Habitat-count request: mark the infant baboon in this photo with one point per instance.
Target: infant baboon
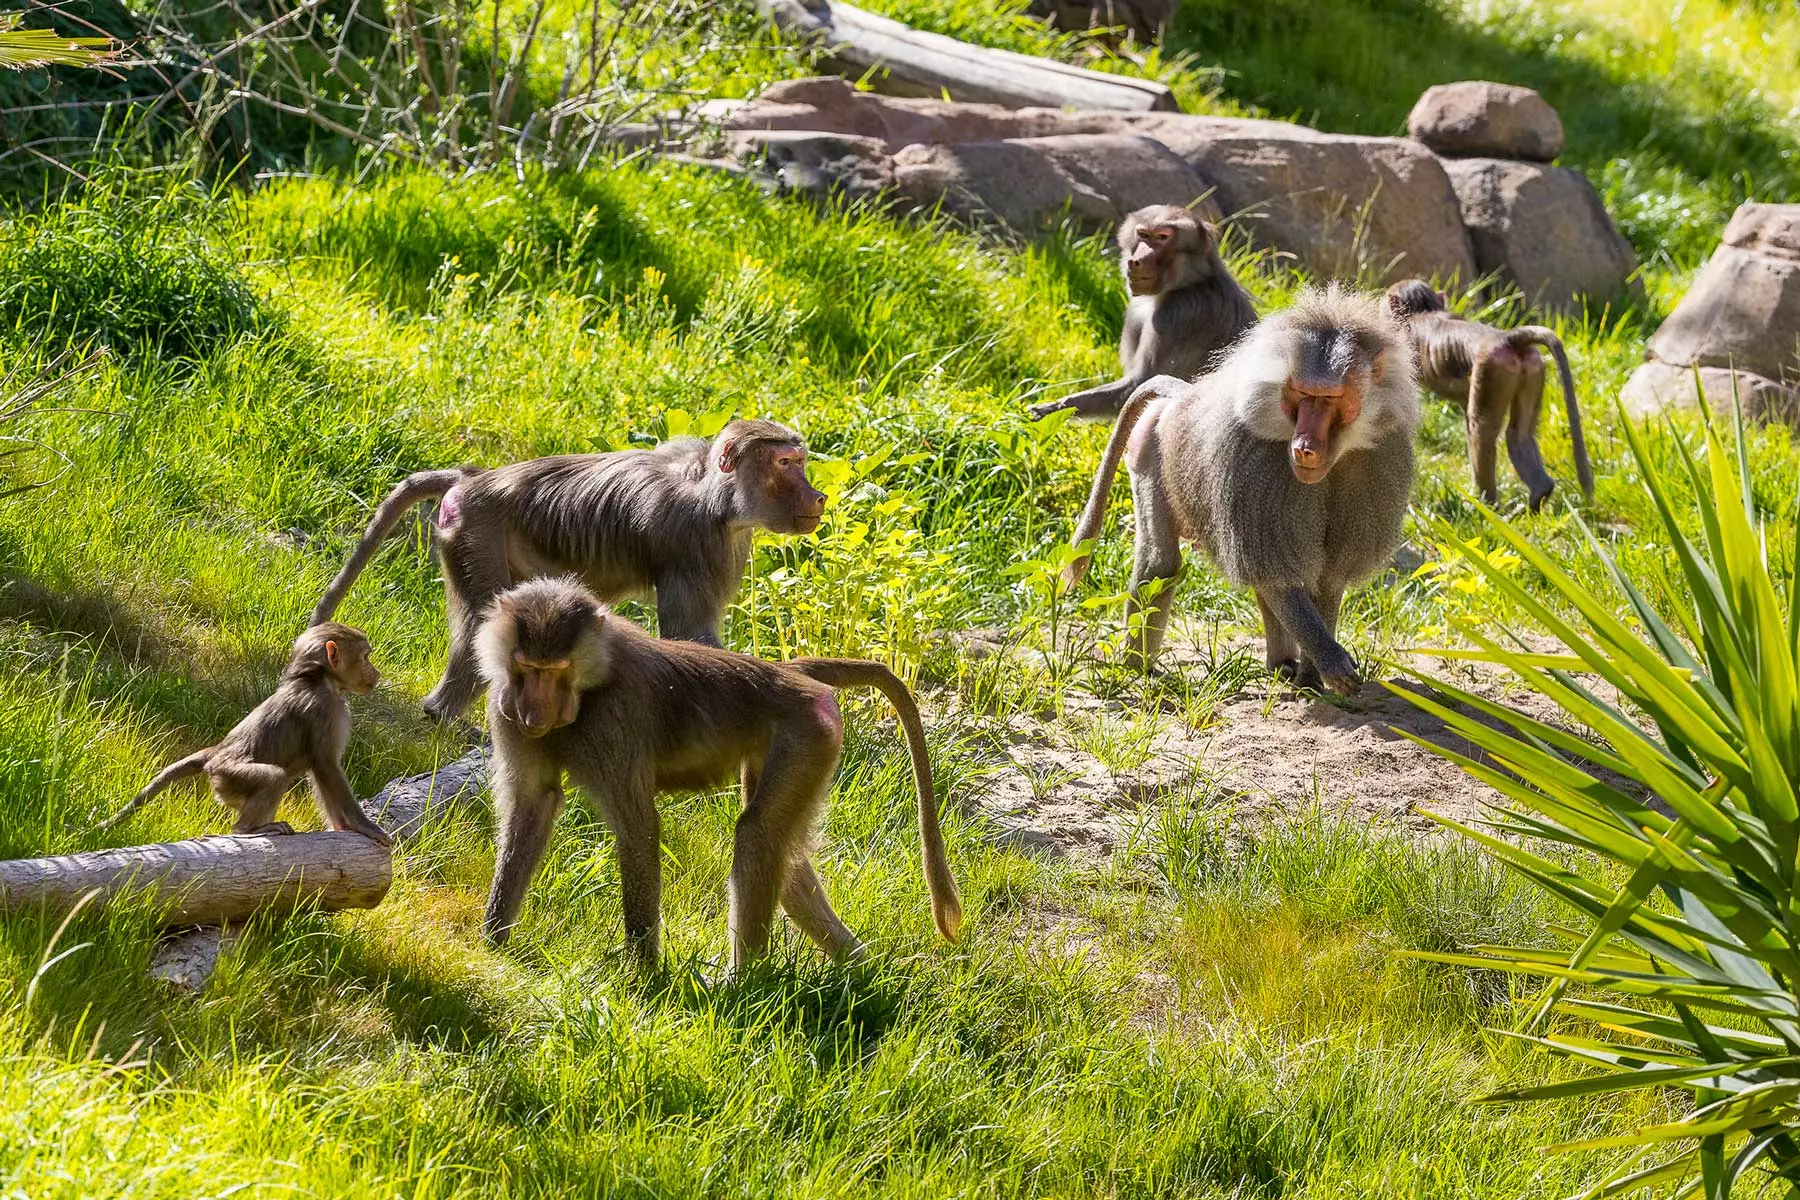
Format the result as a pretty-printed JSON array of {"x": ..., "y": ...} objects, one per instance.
[
  {"x": 574, "y": 688},
  {"x": 675, "y": 520},
  {"x": 303, "y": 728},
  {"x": 1185, "y": 306},
  {"x": 1497, "y": 376},
  {"x": 1290, "y": 464}
]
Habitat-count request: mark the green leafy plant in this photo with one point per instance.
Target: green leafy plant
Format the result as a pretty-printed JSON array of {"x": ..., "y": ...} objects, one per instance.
[{"x": 1687, "y": 955}]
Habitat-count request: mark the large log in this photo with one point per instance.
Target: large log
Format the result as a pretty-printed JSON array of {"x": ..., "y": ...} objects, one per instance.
[
  {"x": 210, "y": 880},
  {"x": 917, "y": 63}
]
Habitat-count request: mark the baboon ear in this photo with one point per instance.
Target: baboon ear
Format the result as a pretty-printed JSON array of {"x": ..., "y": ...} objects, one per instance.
[
  {"x": 1378, "y": 364},
  {"x": 331, "y": 654},
  {"x": 728, "y": 457}
]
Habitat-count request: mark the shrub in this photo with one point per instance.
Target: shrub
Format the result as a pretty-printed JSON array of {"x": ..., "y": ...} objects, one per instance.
[{"x": 1689, "y": 947}]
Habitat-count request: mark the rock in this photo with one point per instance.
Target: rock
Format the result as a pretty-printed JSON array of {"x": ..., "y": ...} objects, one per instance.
[
  {"x": 405, "y": 806},
  {"x": 817, "y": 164},
  {"x": 1743, "y": 311},
  {"x": 1487, "y": 120},
  {"x": 1543, "y": 229},
  {"x": 1029, "y": 183},
  {"x": 1657, "y": 386},
  {"x": 1344, "y": 206},
  {"x": 185, "y": 960},
  {"x": 832, "y": 105}
]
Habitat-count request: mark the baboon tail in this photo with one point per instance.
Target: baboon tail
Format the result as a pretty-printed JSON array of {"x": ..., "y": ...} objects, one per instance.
[
  {"x": 1537, "y": 335},
  {"x": 417, "y": 487},
  {"x": 193, "y": 764},
  {"x": 946, "y": 903},
  {"x": 1093, "y": 515}
]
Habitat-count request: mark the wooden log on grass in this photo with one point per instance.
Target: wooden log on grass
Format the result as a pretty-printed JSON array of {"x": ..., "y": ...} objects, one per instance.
[
  {"x": 917, "y": 63},
  {"x": 210, "y": 880}
]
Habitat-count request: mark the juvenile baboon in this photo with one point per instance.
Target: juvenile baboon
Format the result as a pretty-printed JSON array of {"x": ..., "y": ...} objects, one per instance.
[
  {"x": 676, "y": 520},
  {"x": 303, "y": 728},
  {"x": 1185, "y": 306},
  {"x": 574, "y": 688},
  {"x": 1290, "y": 464},
  {"x": 1497, "y": 376}
]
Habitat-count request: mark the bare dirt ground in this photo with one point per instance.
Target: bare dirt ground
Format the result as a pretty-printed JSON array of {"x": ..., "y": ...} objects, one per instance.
[{"x": 1269, "y": 749}]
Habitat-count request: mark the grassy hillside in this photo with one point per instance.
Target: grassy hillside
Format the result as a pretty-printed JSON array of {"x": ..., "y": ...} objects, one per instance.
[{"x": 1216, "y": 1012}]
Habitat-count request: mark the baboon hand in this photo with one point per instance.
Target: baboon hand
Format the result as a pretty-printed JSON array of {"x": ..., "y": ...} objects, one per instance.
[{"x": 1044, "y": 409}]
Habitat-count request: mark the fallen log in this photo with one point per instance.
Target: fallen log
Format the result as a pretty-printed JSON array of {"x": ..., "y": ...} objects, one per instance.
[
  {"x": 210, "y": 880},
  {"x": 912, "y": 62}
]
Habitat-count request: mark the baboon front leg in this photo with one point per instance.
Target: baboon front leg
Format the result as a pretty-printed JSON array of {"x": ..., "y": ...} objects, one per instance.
[
  {"x": 1296, "y": 610},
  {"x": 790, "y": 788},
  {"x": 255, "y": 791},
  {"x": 1522, "y": 431},
  {"x": 331, "y": 791},
  {"x": 475, "y": 571},
  {"x": 1327, "y": 601},
  {"x": 1281, "y": 653},
  {"x": 526, "y": 803},
  {"x": 1156, "y": 566},
  {"x": 690, "y": 609}
]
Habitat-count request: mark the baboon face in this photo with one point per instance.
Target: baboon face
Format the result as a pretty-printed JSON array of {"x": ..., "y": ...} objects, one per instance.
[
  {"x": 786, "y": 499},
  {"x": 1153, "y": 241},
  {"x": 541, "y": 695},
  {"x": 1323, "y": 396},
  {"x": 350, "y": 659}
]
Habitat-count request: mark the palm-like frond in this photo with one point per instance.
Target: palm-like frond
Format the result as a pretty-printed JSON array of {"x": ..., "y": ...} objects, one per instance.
[
  {"x": 21, "y": 48},
  {"x": 1705, "y": 920}
]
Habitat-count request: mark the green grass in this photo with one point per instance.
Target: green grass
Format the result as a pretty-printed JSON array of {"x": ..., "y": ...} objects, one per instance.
[{"x": 1215, "y": 1013}]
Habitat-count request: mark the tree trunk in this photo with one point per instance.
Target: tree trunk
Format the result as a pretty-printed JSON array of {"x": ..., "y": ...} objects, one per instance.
[
  {"x": 929, "y": 64},
  {"x": 211, "y": 879}
]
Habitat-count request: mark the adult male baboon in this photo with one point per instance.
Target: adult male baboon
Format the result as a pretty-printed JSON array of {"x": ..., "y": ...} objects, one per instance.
[
  {"x": 1497, "y": 376},
  {"x": 676, "y": 520},
  {"x": 574, "y": 688},
  {"x": 1185, "y": 306},
  {"x": 1290, "y": 464},
  {"x": 302, "y": 728}
]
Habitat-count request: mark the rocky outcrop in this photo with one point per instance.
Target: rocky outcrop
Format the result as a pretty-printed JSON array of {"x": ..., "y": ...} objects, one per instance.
[
  {"x": 1343, "y": 206},
  {"x": 1542, "y": 229},
  {"x": 1739, "y": 323},
  {"x": 1479, "y": 119}
]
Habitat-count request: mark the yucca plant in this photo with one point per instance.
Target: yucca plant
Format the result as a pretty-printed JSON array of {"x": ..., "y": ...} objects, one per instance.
[
  {"x": 21, "y": 48},
  {"x": 1688, "y": 951}
]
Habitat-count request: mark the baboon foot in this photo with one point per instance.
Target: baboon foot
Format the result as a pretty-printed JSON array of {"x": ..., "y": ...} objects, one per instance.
[
  {"x": 271, "y": 829},
  {"x": 1538, "y": 497}
]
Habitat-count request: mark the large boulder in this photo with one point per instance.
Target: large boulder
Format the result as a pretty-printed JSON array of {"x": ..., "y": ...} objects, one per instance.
[
  {"x": 1343, "y": 206},
  {"x": 827, "y": 104},
  {"x": 1743, "y": 311},
  {"x": 816, "y": 164},
  {"x": 1738, "y": 328},
  {"x": 1029, "y": 184},
  {"x": 1542, "y": 228},
  {"x": 1479, "y": 119}
]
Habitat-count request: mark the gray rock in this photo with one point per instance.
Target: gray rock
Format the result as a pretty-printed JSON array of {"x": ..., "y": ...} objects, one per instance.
[
  {"x": 1487, "y": 120},
  {"x": 407, "y": 805},
  {"x": 1378, "y": 209},
  {"x": 1743, "y": 311},
  {"x": 1657, "y": 386},
  {"x": 817, "y": 164},
  {"x": 1543, "y": 229}
]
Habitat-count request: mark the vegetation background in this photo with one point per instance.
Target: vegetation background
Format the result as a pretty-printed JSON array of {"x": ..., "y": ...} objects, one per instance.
[{"x": 1217, "y": 1012}]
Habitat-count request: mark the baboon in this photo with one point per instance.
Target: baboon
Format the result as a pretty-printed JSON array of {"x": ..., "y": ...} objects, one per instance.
[
  {"x": 1497, "y": 376},
  {"x": 1185, "y": 306},
  {"x": 575, "y": 688},
  {"x": 675, "y": 520},
  {"x": 1290, "y": 464},
  {"x": 302, "y": 728}
]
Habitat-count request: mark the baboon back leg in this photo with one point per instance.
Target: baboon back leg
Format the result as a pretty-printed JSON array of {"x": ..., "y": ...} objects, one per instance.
[
  {"x": 527, "y": 799},
  {"x": 1522, "y": 431},
  {"x": 804, "y": 898},
  {"x": 637, "y": 837},
  {"x": 771, "y": 831},
  {"x": 1156, "y": 566},
  {"x": 689, "y": 609},
  {"x": 1491, "y": 387},
  {"x": 475, "y": 571},
  {"x": 1281, "y": 653},
  {"x": 254, "y": 790}
]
